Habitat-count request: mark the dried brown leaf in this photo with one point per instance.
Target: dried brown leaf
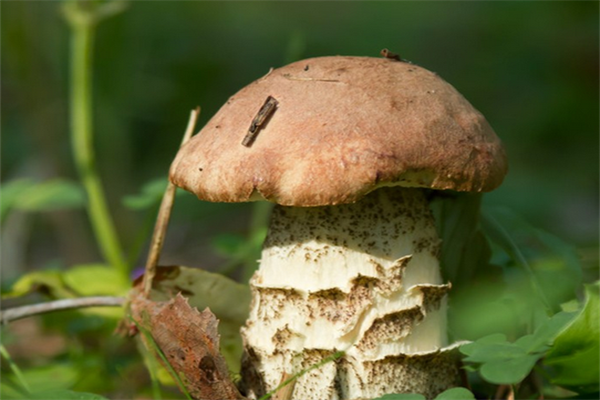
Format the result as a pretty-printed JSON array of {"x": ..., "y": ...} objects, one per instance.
[{"x": 190, "y": 342}]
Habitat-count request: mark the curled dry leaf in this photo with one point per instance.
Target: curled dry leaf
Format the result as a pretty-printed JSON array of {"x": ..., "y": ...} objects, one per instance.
[
  {"x": 190, "y": 343},
  {"x": 227, "y": 299}
]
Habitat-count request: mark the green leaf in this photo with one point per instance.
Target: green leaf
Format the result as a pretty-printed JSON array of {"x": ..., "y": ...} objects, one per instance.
[
  {"x": 458, "y": 393},
  {"x": 508, "y": 371},
  {"x": 11, "y": 191},
  {"x": 64, "y": 395},
  {"x": 9, "y": 390},
  {"x": 401, "y": 396},
  {"x": 50, "y": 281},
  {"x": 591, "y": 394},
  {"x": 545, "y": 333},
  {"x": 470, "y": 348},
  {"x": 226, "y": 298},
  {"x": 96, "y": 279},
  {"x": 51, "y": 378},
  {"x": 502, "y": 362},
  {"x": 54, "y": 194},
  {"x": 574, "y": 357},
  {"x": 81, "y": 280},
  {"x": 150, "y": 195},
  {"x": 495, "y": 352}
]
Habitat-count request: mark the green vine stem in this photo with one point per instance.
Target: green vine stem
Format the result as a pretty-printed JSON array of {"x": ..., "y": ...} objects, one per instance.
[
  {"x": 83, "y": 16},
  {"x": 16, "y": 371}
]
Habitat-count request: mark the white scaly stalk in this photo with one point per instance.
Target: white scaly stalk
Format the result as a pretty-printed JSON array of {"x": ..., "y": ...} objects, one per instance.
[{"x": 363, "y": 278}]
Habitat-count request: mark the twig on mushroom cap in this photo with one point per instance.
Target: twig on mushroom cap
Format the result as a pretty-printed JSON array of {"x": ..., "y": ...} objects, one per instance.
[
  {"x": 388, "y": 54},
  {"x": 164, "y": 213},
  {"x": 265, "y": 112}
]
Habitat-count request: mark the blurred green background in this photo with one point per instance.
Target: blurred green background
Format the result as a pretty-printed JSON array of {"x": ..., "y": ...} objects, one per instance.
[{"x": 530, "y": 67}]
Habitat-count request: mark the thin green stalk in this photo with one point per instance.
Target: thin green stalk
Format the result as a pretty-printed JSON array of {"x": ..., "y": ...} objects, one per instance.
[
  {"x": 335, "y": 356},
  {"x": 83, "y": 24},
  {"x": 14, "y": 368},
  {"x": 515, "y": 252},
  {"x": 158, "y": 353}
]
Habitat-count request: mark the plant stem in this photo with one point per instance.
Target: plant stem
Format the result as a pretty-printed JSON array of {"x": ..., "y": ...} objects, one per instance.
[
  {"x": 293, "y": 378},
  {"x": 58, "y": 305},
  {"x": 164, "y": 214},
  {"x": 83, "y": 25},
  {"x": 158, "y": 354},
  {"x": 14, "y": 369}
]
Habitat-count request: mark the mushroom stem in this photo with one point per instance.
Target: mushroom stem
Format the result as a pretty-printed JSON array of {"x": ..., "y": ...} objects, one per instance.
[{"x": 363, "y": 278}]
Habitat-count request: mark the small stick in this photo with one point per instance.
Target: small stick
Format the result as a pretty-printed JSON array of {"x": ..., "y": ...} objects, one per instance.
[
  {"x": 389, "y": 55},
  {"x": 259, "y": 120},
  {"x": 164, "y": 213},
  {"x": 15, "y": 313}
]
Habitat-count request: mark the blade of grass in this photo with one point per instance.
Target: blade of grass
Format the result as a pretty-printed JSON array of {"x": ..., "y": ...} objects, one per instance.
[
  {"x": 14, "y": 368},
  {"x": 506, "y": 241},
  {"x": 157, "y": 351},
  {"x": 297, "y": 375},
  {"x": 152, "y": 365}
]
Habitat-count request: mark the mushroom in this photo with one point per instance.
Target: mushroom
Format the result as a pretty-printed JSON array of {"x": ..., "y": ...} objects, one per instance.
[{"x": 348, "y": 149}]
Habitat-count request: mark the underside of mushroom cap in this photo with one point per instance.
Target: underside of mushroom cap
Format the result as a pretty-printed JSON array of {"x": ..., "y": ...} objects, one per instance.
[{"x": 340, "y": 128}]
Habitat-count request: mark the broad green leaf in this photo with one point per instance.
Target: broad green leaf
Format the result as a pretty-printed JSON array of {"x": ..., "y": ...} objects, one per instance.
[
  {"x": 54, "y": 194},
  {"x": 54, "y": 377},
  {"x": 592, "y": 393},
  {"x": 64, "y": 395},
  {"x": 150, "y": 195},
  {"x": 501, "y": 362},
  {"x": 574, "y": 356},
  {"x": 578, "y": 371},
  {"x": 96, "y": 280},
  {"x": 527, "y": 342},
  {"x": 8, "y": 390},
  {"x": 469, "y": 348},
  {"x": 508, "y": 371},
  {"x": 495, "y": 352},
  {"x": 226, "y": 298},
  {"x": 401, "y": 396},
  {"x": 51, "y": 281},
  {"x": 82, "y": 280},
  {"x": 11, "y": 191},
  {"x": 545, "y": 333},
  {"x": 458, "y": 393}
]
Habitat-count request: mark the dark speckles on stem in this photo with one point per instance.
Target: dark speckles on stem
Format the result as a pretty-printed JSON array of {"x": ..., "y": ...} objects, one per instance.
[
  {"x": 374, "y": 225},
  {"x": 390, "y": 327}
]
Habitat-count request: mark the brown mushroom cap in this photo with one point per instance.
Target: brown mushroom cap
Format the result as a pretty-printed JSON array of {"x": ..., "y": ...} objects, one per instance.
[{"x": 343, "y": 126}]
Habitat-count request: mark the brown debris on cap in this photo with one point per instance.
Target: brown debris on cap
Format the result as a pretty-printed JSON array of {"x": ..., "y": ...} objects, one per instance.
[{"x": 343, "y": 127}]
